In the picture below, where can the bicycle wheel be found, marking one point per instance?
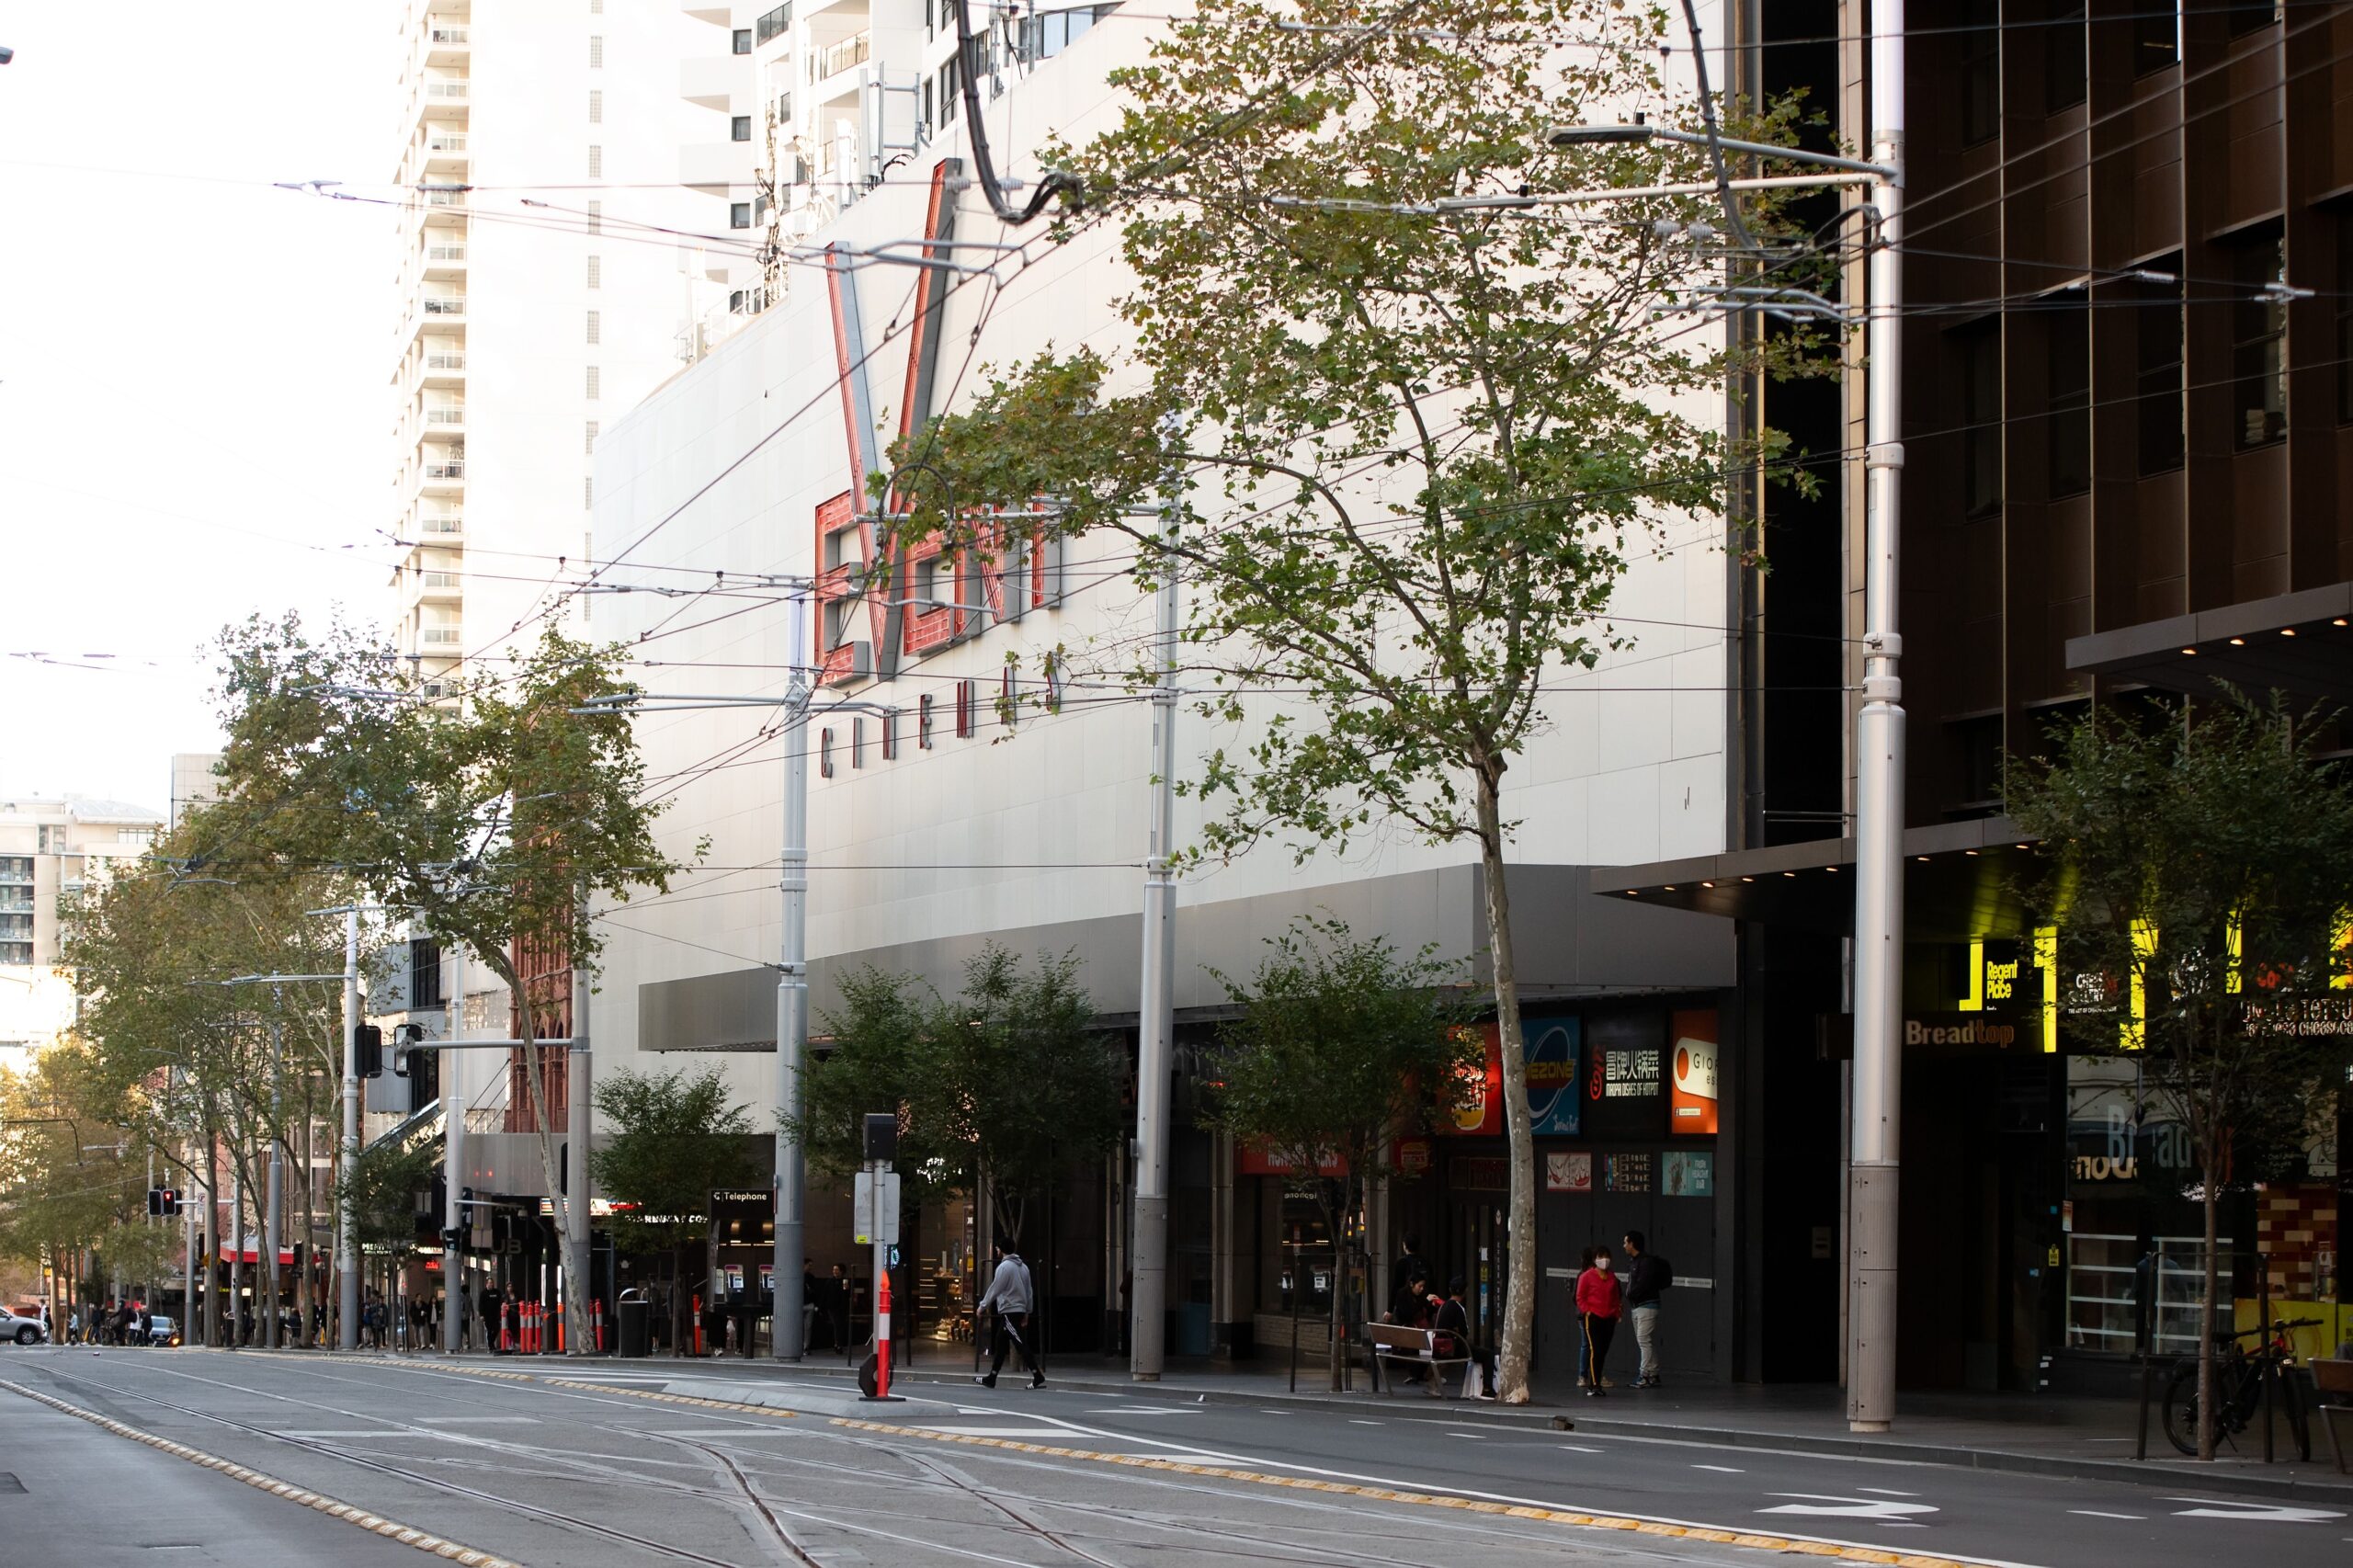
(2181, 1409)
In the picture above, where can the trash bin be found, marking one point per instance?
(637, 1324)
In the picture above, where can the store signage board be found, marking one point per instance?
(1554, 1105)
(1625, 1075)
(1691, 1073)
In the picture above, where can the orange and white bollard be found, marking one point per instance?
(697, 1310)
(597, 1322)
(559, 1315)
(883, 1336)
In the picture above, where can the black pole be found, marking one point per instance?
(2269, 1367)
(2142, 1332)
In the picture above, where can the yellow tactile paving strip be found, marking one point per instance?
(1428, 1499)
(392, 1529)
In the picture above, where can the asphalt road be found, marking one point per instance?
(644, 1462)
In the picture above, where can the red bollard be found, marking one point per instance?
(597, 1321)
(883, 1336)
(561, 1314)
(697, 1310)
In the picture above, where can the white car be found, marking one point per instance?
(15, 1330)
(162, 1330)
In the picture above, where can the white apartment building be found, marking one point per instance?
(49, 852)
(561, 248)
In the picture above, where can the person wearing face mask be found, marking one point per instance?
(1600, 1304)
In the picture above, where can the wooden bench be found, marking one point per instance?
(1417, 1346)
(2335, 1380)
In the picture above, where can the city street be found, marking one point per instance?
(607, 1464)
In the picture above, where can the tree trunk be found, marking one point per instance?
(2208, 1309)
(1336, 1219)
(1519, 1281)
(576, 1268)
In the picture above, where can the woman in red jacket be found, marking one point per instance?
(1601, 1304)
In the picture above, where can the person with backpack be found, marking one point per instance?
(1646, 1283)
(1012, 1295)
(1601, 1304)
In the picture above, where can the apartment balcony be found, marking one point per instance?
(443, 476)
(445, 156)
(444, 258)
(441, 528)
(444, 209)
(446, 641)
(715, 81)
(445, 422)
(833, 59)
(715, 165)
(447, 43)
(446, 307)
(445, 97)
(441, 367)
(433, 587)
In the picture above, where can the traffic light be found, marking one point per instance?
(162, 1201)
(368, 1048)
(882, 1137)
(171, 1201)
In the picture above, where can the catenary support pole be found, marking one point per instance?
(791, 998)
(276, 1196)
(1878, 784)
(453, 1125)
(1156, 1019)
(579, 1281)
(346, 1239)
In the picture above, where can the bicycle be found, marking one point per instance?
(2238, 1386)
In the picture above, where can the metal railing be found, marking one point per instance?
(445, 471)
(444, 525)
(445, 417)
(441, 636)
(771, 23)
(447, 90)
(446, 35)
(445, 304)
(441, 579)
(445, 253)
(445, 143)
(444, 361)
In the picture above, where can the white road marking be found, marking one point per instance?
(1358, 1421)
(1577, 1448)
(1821, 1506)
(1725, 1467)
(1474, 1436)
(1149, 1410)
(2096, 1514)
(1886, 1492)
(2269, 1513)
(484, 1420)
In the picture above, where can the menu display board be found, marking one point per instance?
(1625, 1075)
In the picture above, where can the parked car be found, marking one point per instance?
(162, 1330)
(15, 1330)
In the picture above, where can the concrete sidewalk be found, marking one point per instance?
(2091, 1439)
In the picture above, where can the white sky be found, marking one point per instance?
(193, 366)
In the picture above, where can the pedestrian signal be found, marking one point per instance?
(162, 1201)
(368, 1050)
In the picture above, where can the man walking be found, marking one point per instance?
(1646, 1283)
(1012, 1295)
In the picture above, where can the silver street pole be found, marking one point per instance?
(579, 1282)
(1156, 1020)
(347, 1241)
(453, 1133)
(792, 1000)
(270, 1322)
(1879, 786)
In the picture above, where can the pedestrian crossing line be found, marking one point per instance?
(375, 1524)
(1428, 1499)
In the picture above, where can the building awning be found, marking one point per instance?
(2301, 643)
(251, 1250)
(1958, 882)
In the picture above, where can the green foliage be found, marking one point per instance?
(673, 1138)
(1009, 1076)
(1341, 1047)
(2196, 870)
(68, 1177)
(389, 1185)
(2204, 866)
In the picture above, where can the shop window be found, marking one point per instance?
(1977, 764)
(2258, 341)
(2156, 37)
(1979, 349)
(2157, 388)
(1981, 71)
(2063, 68)
(2068, 345)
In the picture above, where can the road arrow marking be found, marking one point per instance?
(2267, 1512)
(1816, 1504)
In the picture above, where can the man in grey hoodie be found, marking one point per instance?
(1012, 1294)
